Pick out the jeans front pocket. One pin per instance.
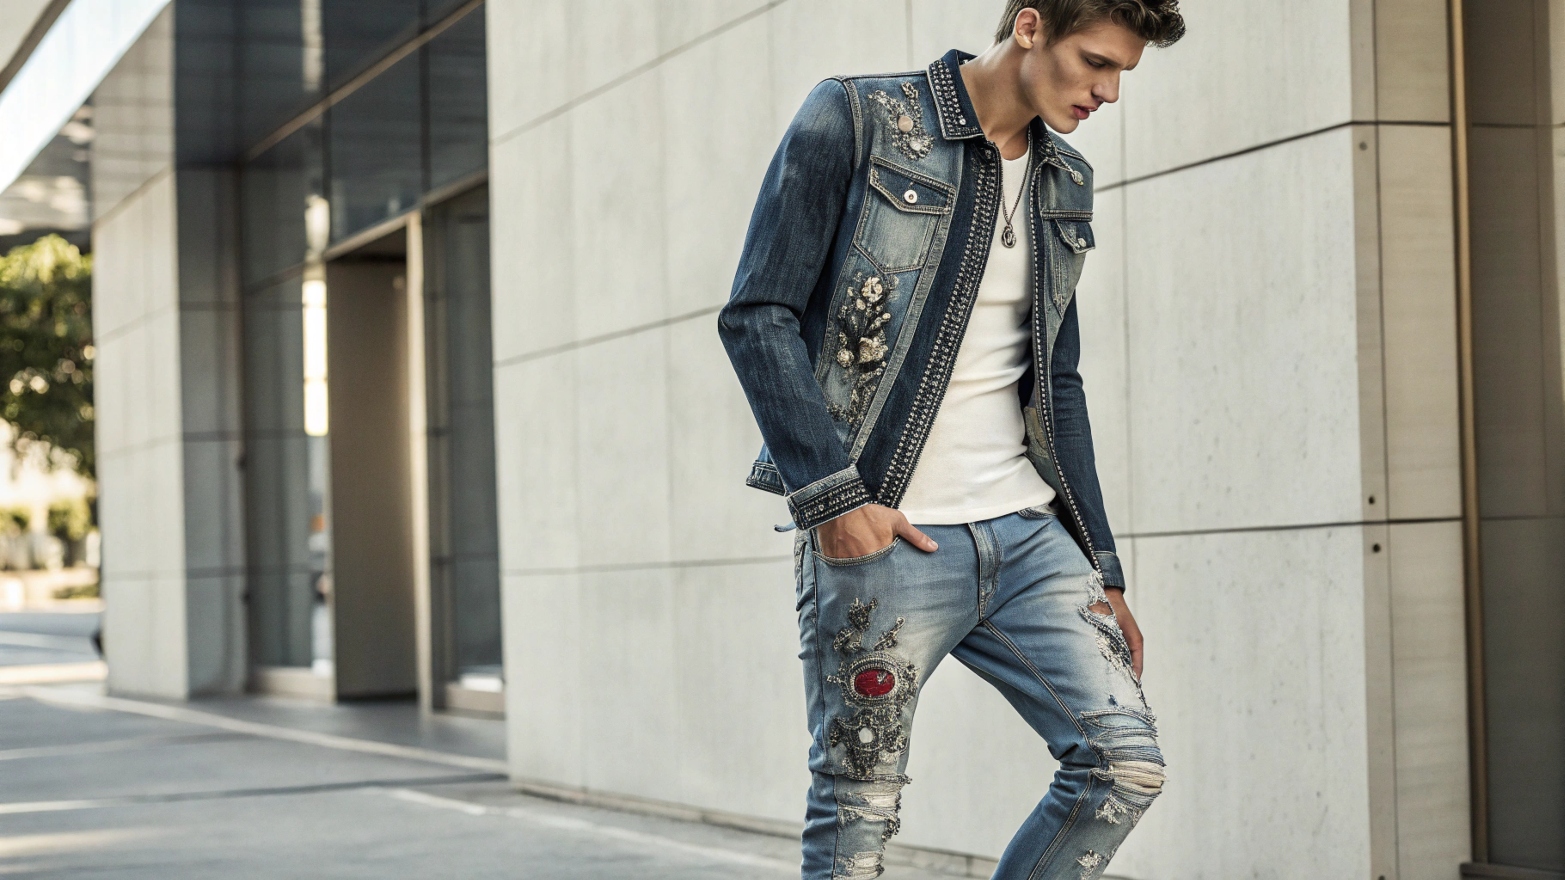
(859, 560)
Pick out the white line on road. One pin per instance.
(79, 699)
(581, 826)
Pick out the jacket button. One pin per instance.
(904, 123)
(910, 197)
(1081, 242)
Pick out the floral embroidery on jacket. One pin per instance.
(861, 342)
(907, 122)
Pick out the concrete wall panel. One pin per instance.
(1249, 72)
(544, 677)
(1428, 625)
(704, 214)
(738, 689)
(1256, 671)
(622, 450)
(532, 223)
(1102, 308)
(1242, 341)
(711, 440)
(630, 710)
(535, 461)
(1418, 284)
(1412, 73)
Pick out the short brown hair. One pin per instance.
(1156, 21)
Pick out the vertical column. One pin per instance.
(1516, 67)
(166, 320)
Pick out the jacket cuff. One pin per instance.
(828, 498)
(1108, 563)
(764, 475)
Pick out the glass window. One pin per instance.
(435, 10)
(458, 101)
(360, 32)
(376, 154)
(280, 64)
(284, 485)
(465, 551)
(280, 190)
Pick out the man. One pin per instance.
(904, 325)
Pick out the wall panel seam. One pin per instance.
(606, 337)
(627, 76)
(1256, 148)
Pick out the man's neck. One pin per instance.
(991, 80)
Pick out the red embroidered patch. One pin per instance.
(874, 682)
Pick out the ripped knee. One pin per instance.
(878, 801)
(859, 866)
(1129, 760)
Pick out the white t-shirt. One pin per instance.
(974, 465)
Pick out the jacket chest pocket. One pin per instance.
(901, 210)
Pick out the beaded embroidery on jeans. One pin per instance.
(877, 685)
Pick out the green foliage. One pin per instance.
(70, 519)
(82, 591)
(46, 347)
(15, 520)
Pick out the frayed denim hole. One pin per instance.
(1126, 743)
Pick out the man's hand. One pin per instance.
(863, 530)
(1127, 625)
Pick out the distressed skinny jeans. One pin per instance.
(1015, 600)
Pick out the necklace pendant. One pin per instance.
(1008, 236)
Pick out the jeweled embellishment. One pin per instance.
(876, 685)
(861, 342)
(906, 121)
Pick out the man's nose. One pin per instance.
(1108, 92)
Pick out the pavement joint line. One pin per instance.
(112, 745)
(28, 807)
(582, 826)
(270, 731)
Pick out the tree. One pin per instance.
(46, 348)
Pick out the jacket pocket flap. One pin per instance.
(1077, 235)
(909, 191)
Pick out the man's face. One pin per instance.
(1067, 80)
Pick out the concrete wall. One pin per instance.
(168, 453)
(1269, 326)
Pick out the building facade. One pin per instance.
(409, 385)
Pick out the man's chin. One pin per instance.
(1063, 124)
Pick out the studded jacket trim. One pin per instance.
(829, 498)
(953, 326)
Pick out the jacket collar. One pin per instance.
(958, 121)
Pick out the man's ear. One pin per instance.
(1028, 29)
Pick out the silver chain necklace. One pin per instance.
(1008, 234)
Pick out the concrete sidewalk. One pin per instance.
(93, 786)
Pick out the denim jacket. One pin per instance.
(859, 272)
